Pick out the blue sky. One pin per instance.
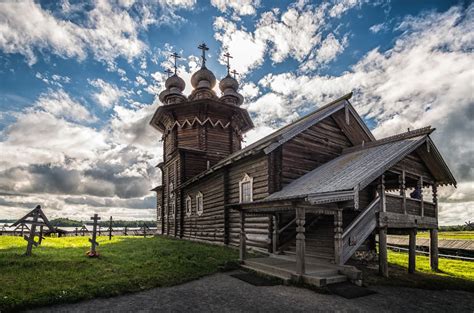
(79, 82)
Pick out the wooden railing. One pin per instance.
(358, 230)
(394, 204)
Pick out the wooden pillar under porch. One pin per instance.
(434, 249)
(338, 231)
(383, 264)
(300, 241)
(243, 243)
(412, 250)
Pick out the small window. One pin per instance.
(188, 206)
(246, 189)
(171, 204)
(158, 212)
(199, 204)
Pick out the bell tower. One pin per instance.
(197, 132)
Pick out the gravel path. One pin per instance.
(223, 293)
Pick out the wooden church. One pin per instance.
(310, 195)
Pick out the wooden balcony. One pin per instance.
(403, 212)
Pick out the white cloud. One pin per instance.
(239, 7)
(108, 94)
(107, 31)
(378, 27)
(60, 104)
(329, 49)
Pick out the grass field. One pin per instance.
(59, 271)
(452, 274)
(465, 235)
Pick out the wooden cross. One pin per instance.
(168, 72)
(110, 229)
(145, 227)
(176, 57)
(204, 48)
(235, 73)
(228, 57)
(125, 231)
(93, 240)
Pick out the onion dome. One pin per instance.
(174, 90)
(203, 81)
(229, 86)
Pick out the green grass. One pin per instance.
(59, 271)
(465, 235)
(452, 274)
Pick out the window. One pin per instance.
(199, 204)
(188, 206)
(171, 204)
(246, 189)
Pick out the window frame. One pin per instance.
(199, 203)
(247, 179)
(158, 208)
(190, 202)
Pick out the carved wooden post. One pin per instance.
(383, 266)
(242, 237)
(435, 200)
(276, 225)
(338, 244)
(93, 240)
(412, 251)
(422, 207)
(403, 192)
(300, 241)
(434, 249)
(40, 238)
(31, 239)
(110, 228)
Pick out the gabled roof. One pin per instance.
(357, 168)
(286, 133)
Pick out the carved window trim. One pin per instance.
(189, 206)
(246, 185)
(199, 203)
(158, 212)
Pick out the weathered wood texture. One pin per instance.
(312, 148)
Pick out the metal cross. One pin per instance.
(228, 57)
(204, 48)
(176, 57)
(235, 73)
(169, 72)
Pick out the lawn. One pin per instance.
(58, 271)
(452, 274)
(465, 235)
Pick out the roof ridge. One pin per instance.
(406, 135)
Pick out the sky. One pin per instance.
(79, 83)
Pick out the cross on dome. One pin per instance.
(235, 73)
(176, 57)
(204, 48)
(228, 57)
(169, 72)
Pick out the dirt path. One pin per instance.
(223, 293)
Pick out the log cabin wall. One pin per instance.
(414, 167)
(313, 147)
(256, 227)
(210, 225)
(172, 177)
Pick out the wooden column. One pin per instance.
(270, 234)
(412, 251)
(435, 199)
(338, 247)
(242, 237)
(383, 203)
(422, 207)
(276, 222)
(300, 241)
(403, 192)
(434, 249)
(383, 265)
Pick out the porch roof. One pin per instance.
(357, 168)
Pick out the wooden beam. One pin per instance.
(242, 237)
(383, 264)
(338, 244)
(276, 224)
(300, 241)
(412, 251)
(420, 185)
(434, 249)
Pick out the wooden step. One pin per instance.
(314, 255)
(324, 280)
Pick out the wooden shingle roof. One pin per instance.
(356, 168)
